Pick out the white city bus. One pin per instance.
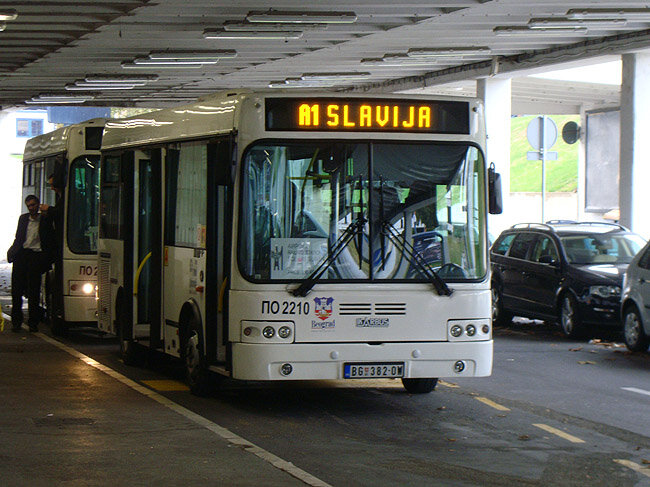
(71, 155)
(268, 236)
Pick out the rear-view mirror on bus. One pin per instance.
(494, 191)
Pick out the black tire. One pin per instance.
(635, 339)
(132, 354)
(500, 317)
(419, 386)
(569, 318)
(199, 378)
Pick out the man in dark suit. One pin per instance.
(31, 254)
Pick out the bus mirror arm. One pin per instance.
(348, 234)
(414, 258)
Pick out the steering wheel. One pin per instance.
(451, 270)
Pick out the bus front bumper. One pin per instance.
(327, 361)
(80, 309)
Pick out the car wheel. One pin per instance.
(419, 386)
(499, 315)
(635, 339)
(569, 319)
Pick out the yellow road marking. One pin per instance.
(560, 433)
(492, 404)
(166, 385)
(634, 466)
(448, 384)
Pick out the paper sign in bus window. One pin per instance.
(296, 258)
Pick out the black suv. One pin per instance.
(562, 270)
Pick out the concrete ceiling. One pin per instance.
(55, 43)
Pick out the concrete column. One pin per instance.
(496, 94)
(634, 196)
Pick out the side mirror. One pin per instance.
(495, 203)
(548, 259)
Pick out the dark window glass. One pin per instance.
(521, 245)
(83, 197)
(110, 204)
(544, 247)
(502, 246)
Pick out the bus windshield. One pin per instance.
(408, 203)
(83, 200)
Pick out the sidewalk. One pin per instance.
(65, 422)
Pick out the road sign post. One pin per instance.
(542, 134)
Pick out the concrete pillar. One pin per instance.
(634, 196)
(496, 94)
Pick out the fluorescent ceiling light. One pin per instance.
(175, 61)
(3, 26)
(250, 26)
(305, 17)
(609, 13)
(107, 78)
(200, 56)
(8, 14)
(333, 76)
(450, 52)
(259, 34)
(56, 102)
(99, 87)
(507, 31)
(55, 99)
(94, 84)
(562, 23)
(130, 65)
(398, 60)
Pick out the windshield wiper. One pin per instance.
(416, 259)
(348, 234)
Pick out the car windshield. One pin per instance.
(601, 248)
(300, 199)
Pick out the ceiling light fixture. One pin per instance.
(235, 26)
(562, 23)
(3, 26)
(398, 60)
(100, 87)
(106, 78)
(131, 65)
(448, 52)
(510, 31)
(334, 76)
(202, 56)
(56, 99)
(176, 61)
(259, 34)
(9, 14)
(609, 13)
(306, 17)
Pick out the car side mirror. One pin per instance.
(495, 203)
(549, 259)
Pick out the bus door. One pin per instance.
(147, 247)
(218, 243)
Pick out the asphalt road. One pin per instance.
(554, 412)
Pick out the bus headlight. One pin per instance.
(82, 288)
(268, 332)
(456, 331)
(468, 330)
(284, 332)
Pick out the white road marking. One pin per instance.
(638, 391)
(224, 433)
(634, 466)
(560, 433)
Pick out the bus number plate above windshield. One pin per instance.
(387, 370)
(367, 115)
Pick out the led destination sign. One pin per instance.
(367, 115)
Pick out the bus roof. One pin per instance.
(219, 114)
(55, 142)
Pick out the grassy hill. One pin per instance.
(526, 176)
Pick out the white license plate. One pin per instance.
(373, 371)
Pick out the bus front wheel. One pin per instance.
(419, 386)
(196, 369)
